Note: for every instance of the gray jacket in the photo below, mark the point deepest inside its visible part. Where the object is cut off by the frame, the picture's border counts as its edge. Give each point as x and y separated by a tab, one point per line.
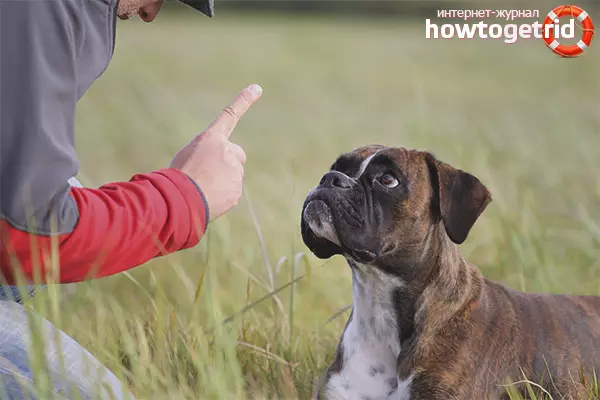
51	52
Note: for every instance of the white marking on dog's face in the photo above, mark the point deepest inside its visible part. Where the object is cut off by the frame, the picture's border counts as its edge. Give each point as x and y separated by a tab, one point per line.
364	165
322	226
370	343
362	168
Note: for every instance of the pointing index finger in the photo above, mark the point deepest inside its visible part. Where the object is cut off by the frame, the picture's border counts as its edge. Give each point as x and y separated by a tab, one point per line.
231	114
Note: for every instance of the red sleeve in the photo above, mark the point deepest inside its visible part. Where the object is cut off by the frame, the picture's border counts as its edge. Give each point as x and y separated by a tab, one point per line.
121	225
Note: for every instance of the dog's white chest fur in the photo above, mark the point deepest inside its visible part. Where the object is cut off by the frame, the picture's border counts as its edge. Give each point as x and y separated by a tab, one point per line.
370	343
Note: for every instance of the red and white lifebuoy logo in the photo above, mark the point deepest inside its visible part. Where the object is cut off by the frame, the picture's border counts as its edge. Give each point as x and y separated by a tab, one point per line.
551	25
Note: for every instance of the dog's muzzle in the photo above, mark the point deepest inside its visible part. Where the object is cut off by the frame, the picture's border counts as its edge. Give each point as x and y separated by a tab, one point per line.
320	220
318	213
333	218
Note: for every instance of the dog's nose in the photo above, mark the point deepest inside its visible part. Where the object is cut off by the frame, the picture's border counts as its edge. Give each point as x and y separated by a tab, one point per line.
335	179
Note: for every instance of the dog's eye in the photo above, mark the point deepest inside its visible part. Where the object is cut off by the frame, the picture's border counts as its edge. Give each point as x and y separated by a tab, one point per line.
388	180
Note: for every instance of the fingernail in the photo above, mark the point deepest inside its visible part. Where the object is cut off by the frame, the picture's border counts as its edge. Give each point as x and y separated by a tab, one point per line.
256	90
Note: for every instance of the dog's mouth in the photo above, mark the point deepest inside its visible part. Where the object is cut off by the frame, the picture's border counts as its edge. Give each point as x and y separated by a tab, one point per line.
321	232
319	218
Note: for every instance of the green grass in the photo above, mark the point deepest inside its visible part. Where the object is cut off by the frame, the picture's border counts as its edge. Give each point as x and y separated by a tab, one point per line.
522	120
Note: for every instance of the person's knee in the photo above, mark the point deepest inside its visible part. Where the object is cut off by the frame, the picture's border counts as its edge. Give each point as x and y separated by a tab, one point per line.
68	366
18	293
16	376
14	331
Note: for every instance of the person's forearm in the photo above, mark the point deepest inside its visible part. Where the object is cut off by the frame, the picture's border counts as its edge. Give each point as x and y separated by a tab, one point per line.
120	226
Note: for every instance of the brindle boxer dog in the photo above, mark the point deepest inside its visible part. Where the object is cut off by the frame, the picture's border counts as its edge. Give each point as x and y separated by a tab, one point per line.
425	323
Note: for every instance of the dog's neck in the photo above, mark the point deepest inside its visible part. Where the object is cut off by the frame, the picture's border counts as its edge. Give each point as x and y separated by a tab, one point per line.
393	306
418	297
369	348
374	302
450	285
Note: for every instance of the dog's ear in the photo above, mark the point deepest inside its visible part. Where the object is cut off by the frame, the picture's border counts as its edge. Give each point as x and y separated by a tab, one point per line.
459	197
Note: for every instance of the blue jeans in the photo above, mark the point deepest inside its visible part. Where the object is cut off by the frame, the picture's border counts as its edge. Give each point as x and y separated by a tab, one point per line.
16	294
82	377
79	375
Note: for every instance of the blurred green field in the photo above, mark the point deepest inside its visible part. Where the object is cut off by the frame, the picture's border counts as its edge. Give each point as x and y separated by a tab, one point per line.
522	120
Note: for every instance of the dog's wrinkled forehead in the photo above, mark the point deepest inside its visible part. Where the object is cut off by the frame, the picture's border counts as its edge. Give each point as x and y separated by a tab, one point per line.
356	162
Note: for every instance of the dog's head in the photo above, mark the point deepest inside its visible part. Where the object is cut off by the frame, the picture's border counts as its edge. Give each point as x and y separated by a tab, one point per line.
379	201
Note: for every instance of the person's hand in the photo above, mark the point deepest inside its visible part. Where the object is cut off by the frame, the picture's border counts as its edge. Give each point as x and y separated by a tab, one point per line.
213	162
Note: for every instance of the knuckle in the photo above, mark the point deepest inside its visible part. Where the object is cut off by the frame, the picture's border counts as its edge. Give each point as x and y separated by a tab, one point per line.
223	142
240	153
232	154
230	111
209	136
